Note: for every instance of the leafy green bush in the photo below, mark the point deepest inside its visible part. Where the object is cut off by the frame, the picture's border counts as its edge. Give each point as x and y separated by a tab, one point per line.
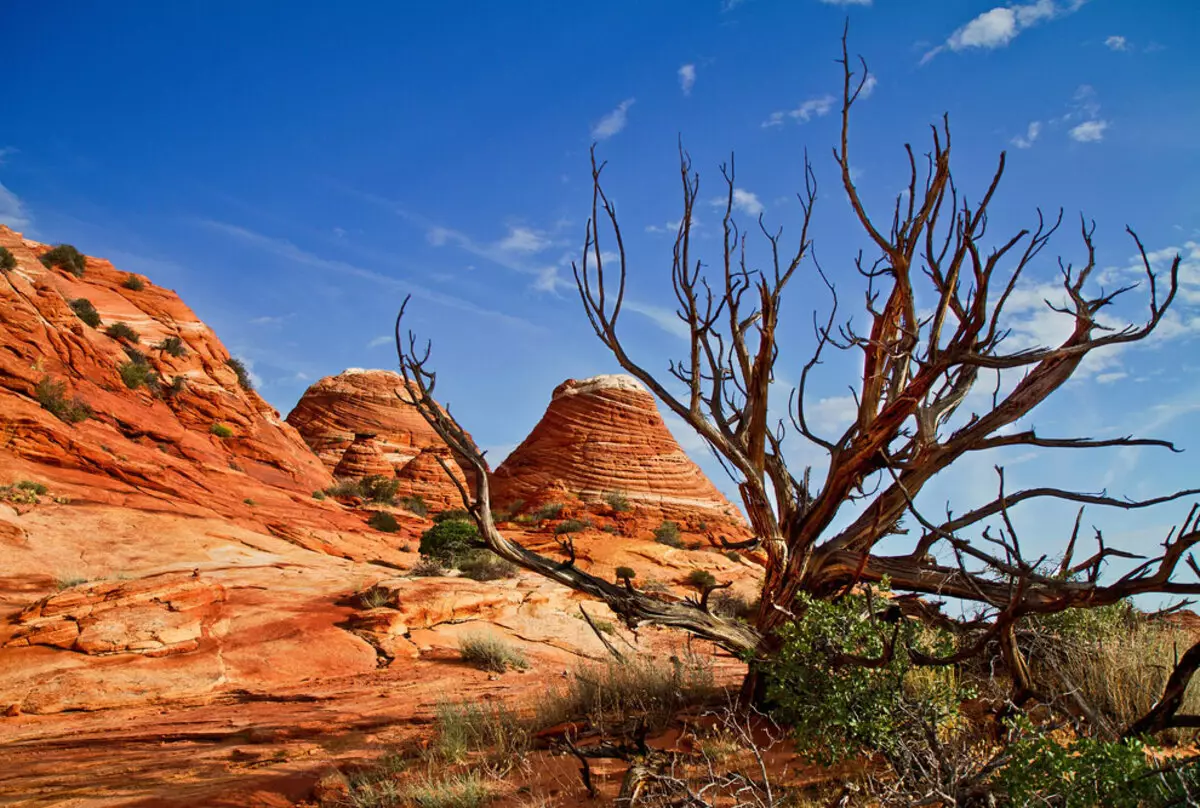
173	346
572	526
134	283
178	385
450	541
838	708
136	374
453	515
67	257
25	492
428	568
415	505
242	373
384	522
668	533
221	430
378	488
625	573
85	311
700	579
345	488
8	261
461	729
484	565
461	790
1085	772
52	395
733	556
69	581
490	653
318	495
551	510
617	501
122	331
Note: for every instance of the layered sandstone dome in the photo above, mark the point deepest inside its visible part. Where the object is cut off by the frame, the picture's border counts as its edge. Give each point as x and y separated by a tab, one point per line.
336	409
604	436
140	443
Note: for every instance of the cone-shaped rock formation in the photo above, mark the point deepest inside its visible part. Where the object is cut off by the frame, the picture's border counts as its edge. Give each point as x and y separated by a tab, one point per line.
363	458
603	436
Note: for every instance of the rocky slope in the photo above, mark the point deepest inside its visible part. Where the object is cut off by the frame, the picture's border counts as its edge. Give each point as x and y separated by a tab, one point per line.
603	436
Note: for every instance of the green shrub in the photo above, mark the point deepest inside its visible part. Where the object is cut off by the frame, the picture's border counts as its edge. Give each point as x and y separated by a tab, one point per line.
617	501
375	598
8	261
428	568
134	283
572	526
85	311
732	605
52	395
66	257
700	579
668	533
178	385
173	346
384	522
453	515
69	581
625	573
838	709
733	556
136	374
243	375
25	492
450	541
484	565
122	331
472	727
221	430
549	511
345	488
462	790
318	495
1085	772
378	488
490	653
415	505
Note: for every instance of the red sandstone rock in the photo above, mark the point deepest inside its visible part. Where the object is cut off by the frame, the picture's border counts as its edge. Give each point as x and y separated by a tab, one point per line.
363	458
425	477
603	436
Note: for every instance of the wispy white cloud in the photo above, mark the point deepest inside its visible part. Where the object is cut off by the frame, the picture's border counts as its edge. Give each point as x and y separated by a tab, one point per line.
999	26
1117	43
812	108
846	2
868	87
381	340
268	319
1089	131
613	122
730	5
745	201
13	211
687	78
1031	135
290	252
664	318
523	240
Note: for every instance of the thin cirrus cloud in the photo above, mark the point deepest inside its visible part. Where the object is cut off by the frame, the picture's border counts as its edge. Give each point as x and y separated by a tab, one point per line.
812	108
1117	43
612	123
999	26
1089	131
1027	140
687	78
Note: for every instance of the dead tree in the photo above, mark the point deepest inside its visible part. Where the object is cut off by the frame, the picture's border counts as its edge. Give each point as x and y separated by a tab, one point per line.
917	370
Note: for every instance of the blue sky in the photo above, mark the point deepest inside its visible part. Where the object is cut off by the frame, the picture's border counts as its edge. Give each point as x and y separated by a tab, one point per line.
292	173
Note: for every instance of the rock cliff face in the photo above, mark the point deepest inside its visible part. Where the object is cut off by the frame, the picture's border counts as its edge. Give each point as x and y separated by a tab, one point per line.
603	436
336	409
169	419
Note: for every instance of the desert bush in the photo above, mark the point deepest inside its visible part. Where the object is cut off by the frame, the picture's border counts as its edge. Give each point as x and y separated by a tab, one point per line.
668	533
134	283
66	257
178	385
137	374
612	694
484	565
415	505
625	573
242	373
122	331
69	581
375	597
85	311
838	709
617	501
450	541
24	492
221	430
52	395
344	488
734	556
507	514
8	261
463	790
318	495
572	526
428	568
378	488
550	510
452	515
173	346
490	653
462	729
726	603
384	522
700	579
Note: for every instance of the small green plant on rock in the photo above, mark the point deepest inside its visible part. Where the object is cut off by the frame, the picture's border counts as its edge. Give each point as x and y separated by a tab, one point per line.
24	492
625	574
136	374
240	370
490	653
221	430
668	533
69	581
384	522
173	346
572	526
484	565
52	395
617	501
700	579
8	261
378	488
85	311
415	505
550	510
66	257
133	283
450	541
318	495
122	331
